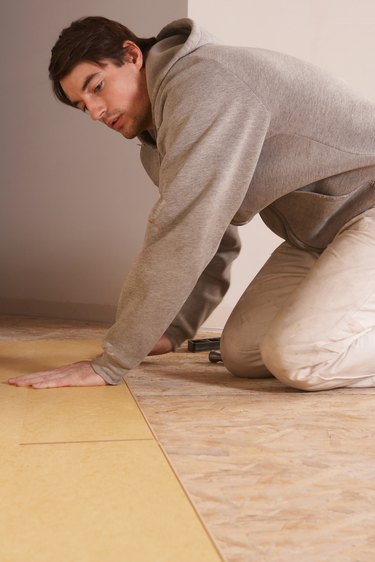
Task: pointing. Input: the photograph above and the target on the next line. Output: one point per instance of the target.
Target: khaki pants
(309, 318)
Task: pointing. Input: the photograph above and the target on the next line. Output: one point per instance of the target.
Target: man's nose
(96, 109)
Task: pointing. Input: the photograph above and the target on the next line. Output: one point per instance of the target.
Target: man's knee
(230, 354)
(239, 358)
(289, 360)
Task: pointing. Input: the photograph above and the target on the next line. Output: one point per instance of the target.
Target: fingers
(29, 380)
(39, 377)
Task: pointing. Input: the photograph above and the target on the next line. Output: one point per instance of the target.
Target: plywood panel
(274, 472)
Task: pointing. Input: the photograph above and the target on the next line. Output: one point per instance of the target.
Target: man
(226, 133)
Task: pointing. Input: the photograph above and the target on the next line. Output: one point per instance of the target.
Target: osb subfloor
(275, 473)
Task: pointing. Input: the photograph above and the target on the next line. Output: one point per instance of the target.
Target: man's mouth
(115, 123)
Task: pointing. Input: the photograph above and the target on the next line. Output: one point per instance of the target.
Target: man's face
(115, 95)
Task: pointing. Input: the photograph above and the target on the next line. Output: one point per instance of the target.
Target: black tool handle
(204, 345)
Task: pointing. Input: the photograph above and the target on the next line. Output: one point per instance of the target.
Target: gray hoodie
(238, 131)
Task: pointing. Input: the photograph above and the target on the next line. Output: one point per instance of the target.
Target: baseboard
(64, 310)
(77, 311)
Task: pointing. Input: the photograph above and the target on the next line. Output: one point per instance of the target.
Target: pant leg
(325, 336)
(267, 294)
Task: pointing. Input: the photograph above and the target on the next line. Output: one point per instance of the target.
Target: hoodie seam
(217, 64)
(311, 139)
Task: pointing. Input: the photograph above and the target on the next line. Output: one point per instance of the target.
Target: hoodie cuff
(110, 373)
(176, 336)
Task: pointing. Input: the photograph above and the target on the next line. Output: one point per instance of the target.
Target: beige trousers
(309, 318)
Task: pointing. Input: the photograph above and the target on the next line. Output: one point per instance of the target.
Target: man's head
(97, 65)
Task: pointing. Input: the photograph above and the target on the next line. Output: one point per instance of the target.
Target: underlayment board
(81, 476)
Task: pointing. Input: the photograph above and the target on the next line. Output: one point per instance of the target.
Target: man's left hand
(75, 374)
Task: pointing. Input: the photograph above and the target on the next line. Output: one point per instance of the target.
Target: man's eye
(98, 87)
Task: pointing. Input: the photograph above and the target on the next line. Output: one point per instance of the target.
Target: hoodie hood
(175, 41)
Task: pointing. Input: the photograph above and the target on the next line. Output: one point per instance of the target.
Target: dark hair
(91, 39)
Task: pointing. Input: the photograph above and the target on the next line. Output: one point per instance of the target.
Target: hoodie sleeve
(211, 130)
(209, 290)
(213, 283)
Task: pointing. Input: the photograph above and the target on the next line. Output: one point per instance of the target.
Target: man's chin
(131, 134)
(127, 135)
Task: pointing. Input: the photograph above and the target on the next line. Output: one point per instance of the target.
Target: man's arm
(212, 284)
(206, 295)
(209, 290)
(209, 151)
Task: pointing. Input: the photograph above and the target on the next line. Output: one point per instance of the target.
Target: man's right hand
(164, 345)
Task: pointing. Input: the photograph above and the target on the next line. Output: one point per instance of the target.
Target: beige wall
(74, 196)
(74, 199)
(335, 34)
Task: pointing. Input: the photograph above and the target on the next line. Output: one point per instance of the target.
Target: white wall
(335, 34)
(74, 197)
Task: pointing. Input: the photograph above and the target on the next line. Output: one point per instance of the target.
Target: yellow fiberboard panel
(91, 502)
(81, 478)
(64, 414)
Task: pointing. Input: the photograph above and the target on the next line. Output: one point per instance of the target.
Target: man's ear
(133, 54)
